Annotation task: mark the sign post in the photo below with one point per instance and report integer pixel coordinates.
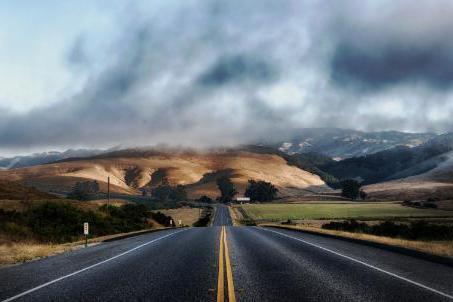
(85, 232)
(108, 191)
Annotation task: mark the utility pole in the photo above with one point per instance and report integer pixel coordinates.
(108, 190)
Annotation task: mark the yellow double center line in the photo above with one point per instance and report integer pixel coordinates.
(224, 254)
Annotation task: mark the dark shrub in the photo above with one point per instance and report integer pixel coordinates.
(420, 230)
(288, 222)
(389, 229)
(55, 222)
(226, 188)
(205, 199)
(205, 217)
(350, 188)
(162, 219)
(430, 205)
(260, 191)
(61, 222)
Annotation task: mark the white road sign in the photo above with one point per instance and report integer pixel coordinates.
(243, 199)
(85, 228)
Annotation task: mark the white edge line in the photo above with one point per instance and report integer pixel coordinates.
(366, 264)
(87, 268)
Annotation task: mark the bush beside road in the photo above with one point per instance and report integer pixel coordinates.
(54, 227)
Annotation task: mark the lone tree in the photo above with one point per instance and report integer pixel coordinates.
(363, 194)
(227, 189)
(350, 188)
(260, 191)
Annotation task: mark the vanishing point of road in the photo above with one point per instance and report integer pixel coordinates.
(227, 263)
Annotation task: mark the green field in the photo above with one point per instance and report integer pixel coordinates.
(280, 212)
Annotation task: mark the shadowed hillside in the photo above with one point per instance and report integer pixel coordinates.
(14, 191)
(135, 169)
(436, 183)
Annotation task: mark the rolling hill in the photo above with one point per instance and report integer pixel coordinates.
(421, 173)
(437, 183)
(390, 164)
(133, 169)
(15, 191)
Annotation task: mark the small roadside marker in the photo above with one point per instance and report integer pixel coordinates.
(85, 232)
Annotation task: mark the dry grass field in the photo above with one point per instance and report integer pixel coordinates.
(412, 188)
(437, 183)
(15, 191)
(17, 252)
(188, 216)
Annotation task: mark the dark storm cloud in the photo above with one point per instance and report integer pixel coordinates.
(236, 68)
(376, 65)
(400, 42)
(230, 72)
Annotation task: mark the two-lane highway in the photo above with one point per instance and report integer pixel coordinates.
(222, 216)
(229, 263)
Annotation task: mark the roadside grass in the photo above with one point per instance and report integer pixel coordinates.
(18, 252)
(236, 216)
(40, 229)
(356, 210)
(438, 248)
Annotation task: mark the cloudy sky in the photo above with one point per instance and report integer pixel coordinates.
(202, 73)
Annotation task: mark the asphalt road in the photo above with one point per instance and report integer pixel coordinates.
(222, 216)
(266, 265)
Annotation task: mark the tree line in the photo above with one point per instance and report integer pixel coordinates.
(257, 191)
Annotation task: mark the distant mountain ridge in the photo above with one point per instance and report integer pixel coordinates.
(45, 158)
(398, 162)
(332, 142)
(345, 143)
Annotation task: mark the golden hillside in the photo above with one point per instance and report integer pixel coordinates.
(131, 170)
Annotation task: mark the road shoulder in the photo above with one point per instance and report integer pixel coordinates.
(423, 250)
(22, 252)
